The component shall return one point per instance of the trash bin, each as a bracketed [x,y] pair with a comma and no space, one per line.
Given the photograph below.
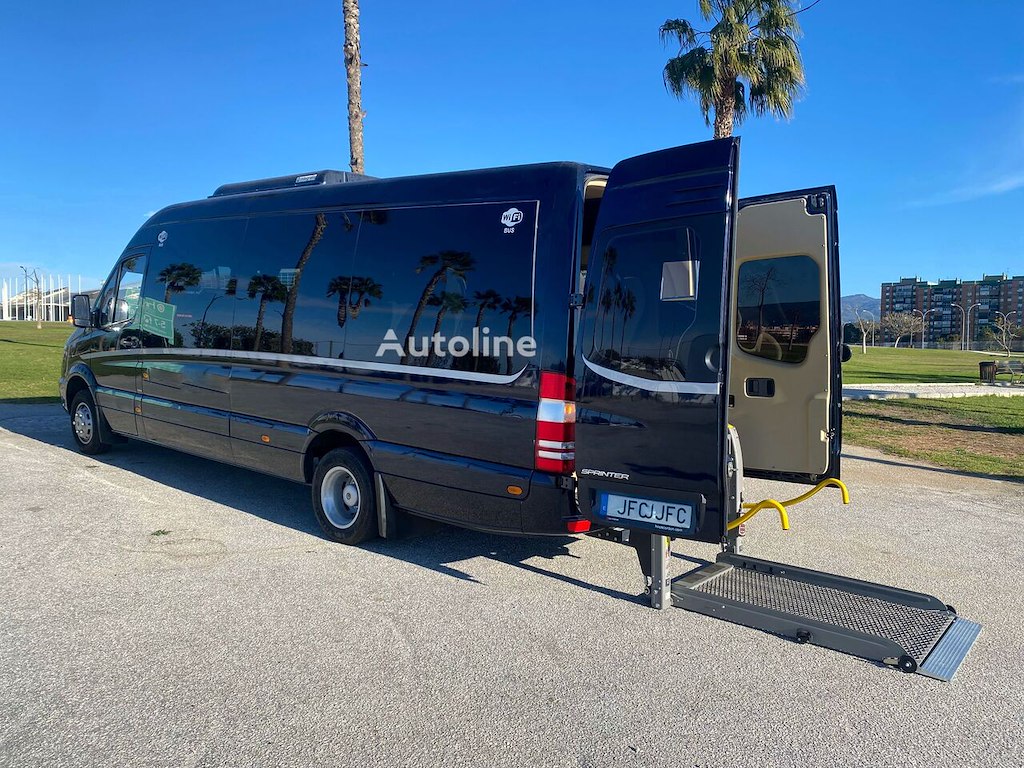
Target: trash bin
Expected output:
[987,372]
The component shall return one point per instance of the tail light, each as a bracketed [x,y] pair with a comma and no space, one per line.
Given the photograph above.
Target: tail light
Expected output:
[556,425]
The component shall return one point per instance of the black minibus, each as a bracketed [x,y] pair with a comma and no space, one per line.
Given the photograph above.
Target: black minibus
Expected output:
[538,349]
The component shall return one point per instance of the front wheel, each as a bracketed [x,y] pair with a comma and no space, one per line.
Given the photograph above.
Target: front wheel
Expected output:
[85,424]
[344,499]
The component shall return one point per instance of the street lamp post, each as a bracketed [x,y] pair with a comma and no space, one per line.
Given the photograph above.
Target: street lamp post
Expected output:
[963,325]
[969,310]
[923,316]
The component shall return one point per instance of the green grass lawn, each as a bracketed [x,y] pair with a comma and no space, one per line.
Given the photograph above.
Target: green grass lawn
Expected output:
[30,361]
[980,435]
[913,366]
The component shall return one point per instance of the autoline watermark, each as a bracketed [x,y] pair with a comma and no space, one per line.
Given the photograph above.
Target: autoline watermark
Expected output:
[479,344]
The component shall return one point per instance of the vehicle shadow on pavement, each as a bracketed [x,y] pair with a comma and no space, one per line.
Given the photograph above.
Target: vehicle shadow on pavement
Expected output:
[438,547]
[430,545]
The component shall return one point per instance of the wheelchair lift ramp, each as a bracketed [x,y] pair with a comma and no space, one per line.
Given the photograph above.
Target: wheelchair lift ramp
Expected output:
[908,630]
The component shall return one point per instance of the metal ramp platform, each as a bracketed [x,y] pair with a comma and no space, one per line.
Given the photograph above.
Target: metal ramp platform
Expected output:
[908,630]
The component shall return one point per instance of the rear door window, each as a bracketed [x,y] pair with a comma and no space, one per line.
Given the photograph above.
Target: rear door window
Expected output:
[779,307]
[643,305]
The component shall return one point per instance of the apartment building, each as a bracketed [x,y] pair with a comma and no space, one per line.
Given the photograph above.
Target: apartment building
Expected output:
[956,308]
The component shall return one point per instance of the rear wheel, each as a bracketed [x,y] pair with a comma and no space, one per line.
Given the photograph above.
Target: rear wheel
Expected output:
[85,424]
[344,499]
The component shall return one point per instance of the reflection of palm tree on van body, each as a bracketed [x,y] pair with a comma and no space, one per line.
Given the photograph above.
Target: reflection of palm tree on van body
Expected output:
[628,305]
[485,301]
[288,316]
[446,263]
[353,294]
[488,300]
[178,277]
[515,308]
[617,294]
[445,302]
[269,288]
[611,258]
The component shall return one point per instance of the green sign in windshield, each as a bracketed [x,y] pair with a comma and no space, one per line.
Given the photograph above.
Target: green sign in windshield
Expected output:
[158,318]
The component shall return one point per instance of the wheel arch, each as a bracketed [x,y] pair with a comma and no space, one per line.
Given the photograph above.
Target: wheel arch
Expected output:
[326,440]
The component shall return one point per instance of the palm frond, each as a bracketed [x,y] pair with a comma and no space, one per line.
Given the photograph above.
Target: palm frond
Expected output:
[679,30]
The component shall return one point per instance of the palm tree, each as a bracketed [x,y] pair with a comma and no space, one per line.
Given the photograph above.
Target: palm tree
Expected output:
[446,302]
[616,305]
[269,288]
[628,310]
[178,277]
[364,289]
[446,263]
[488,300]
[288,316]
[354,293]
[749,59]
[515,308]
[340,286]
[354,75]
[606,304]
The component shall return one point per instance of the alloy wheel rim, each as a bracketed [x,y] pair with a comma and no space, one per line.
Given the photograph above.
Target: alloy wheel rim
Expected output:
[340,497]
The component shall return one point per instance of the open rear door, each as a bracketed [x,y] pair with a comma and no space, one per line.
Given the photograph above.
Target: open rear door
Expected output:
[651,419]
[786,350]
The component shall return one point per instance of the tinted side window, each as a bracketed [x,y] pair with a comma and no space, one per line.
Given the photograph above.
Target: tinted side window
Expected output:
[445,287]
[191,286]
[129,288]
[295,279]
[779,307]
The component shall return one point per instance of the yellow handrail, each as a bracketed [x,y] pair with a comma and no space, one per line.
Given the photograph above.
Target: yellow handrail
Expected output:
[824,483]
[755,508]
[780,506]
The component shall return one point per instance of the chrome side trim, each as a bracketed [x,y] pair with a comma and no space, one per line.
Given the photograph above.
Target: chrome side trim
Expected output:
[678,387]
[328,362]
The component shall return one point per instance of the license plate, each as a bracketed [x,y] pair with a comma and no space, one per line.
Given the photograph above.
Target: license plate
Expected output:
[667,514]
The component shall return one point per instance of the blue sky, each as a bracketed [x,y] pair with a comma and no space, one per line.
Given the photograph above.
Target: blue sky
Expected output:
[111,110]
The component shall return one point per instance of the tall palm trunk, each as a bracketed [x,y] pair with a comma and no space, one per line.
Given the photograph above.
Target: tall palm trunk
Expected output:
[353,71]
[288,318]
[342,309]
[511,324]
[428,291]
[431,357]
[259,322]
[725,108]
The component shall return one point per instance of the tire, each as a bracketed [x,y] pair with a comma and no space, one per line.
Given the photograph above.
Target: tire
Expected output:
[85,424]
[344,499]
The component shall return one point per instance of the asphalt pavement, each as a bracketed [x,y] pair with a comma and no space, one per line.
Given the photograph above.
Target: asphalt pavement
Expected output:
[161,610]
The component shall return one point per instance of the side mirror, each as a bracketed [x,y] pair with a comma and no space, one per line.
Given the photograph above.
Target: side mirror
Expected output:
[845,353]
[81,312]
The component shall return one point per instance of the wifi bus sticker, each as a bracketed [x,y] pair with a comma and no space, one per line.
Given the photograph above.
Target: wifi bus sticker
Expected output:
[510,218]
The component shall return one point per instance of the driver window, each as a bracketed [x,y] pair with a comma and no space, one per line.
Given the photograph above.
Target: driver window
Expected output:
[129,286]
